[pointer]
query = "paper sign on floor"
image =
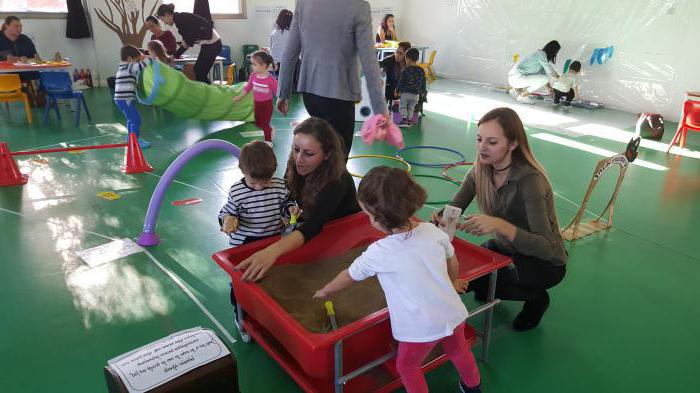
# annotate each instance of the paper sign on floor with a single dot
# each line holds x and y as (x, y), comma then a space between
(109, 252)
(152, 365)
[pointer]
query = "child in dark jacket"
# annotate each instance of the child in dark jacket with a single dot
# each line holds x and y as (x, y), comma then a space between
(411, 85)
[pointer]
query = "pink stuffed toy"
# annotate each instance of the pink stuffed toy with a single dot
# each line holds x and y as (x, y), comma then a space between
(376, 128)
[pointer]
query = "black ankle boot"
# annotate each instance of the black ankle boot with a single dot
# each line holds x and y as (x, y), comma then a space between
(531, 314)
(464, 389)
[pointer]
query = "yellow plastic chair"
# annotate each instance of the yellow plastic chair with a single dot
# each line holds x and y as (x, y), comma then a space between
(11, 91)
(231, 74)
(428, 67)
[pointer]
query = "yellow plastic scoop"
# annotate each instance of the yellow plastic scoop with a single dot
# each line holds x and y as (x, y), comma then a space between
(331, 314)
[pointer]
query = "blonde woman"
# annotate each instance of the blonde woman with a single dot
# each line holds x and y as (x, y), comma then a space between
(517, 209)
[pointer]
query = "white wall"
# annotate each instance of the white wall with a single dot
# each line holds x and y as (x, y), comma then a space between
(101, 52)
(49, 36)
(654, 63)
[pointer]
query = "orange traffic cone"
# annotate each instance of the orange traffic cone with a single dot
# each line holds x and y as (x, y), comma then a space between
(134, 161)
(9, 172)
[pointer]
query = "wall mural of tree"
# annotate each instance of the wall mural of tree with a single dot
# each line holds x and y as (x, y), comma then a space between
(125, 17)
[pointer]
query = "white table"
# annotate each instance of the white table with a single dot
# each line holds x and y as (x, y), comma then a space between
(385, 52)
(219, 62)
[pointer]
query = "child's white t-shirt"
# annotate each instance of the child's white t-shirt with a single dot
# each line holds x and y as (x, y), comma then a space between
(566, 82)
(412, 270)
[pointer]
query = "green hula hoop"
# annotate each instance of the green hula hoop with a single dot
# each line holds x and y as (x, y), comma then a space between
(458, 184)
(399, 159)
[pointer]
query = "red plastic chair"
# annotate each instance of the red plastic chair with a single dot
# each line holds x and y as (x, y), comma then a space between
(690, 120)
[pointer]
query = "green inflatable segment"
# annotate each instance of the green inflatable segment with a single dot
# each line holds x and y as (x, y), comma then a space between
(166, 87)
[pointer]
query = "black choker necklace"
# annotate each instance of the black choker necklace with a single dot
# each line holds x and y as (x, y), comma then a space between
(501, 170)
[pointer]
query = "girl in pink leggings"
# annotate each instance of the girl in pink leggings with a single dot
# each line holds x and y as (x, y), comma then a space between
(417, 268)
(264, 87)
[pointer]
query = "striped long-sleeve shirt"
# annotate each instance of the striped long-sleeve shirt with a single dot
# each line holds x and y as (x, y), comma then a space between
(259, 213)
(126, 78)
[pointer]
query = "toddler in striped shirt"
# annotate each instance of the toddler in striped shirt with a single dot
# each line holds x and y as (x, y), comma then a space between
(254, 207)
(133, 62)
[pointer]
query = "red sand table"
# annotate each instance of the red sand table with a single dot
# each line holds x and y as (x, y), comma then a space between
(319, 362)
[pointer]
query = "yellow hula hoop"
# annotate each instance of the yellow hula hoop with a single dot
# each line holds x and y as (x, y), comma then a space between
(401, 160)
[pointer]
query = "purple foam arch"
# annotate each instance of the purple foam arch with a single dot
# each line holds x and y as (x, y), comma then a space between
(149, 237)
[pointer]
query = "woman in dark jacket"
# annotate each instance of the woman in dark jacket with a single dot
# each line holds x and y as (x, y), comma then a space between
(392, 66)
(194, 30)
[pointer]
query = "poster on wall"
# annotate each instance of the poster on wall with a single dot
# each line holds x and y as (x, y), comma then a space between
(269, 11)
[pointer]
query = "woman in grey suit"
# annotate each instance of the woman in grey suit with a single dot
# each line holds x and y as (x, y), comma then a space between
(333, 37)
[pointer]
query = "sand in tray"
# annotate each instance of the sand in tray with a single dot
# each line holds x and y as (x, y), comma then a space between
(293, 286)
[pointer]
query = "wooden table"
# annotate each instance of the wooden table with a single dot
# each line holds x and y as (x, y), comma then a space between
(219, 62)
(17, 68)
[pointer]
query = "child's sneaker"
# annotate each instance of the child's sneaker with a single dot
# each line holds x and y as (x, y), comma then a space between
(464, 389)
(416, 118)
(404, 123)
(567, 103)
(144, 144)
(525, 100)
(513, 93)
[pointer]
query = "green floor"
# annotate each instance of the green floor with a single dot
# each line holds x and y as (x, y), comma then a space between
(625, 319)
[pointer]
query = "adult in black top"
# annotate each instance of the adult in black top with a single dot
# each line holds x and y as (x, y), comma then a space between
(387, 30)
(194, 30)
(392, 66)
(14, 45)
(319, 184)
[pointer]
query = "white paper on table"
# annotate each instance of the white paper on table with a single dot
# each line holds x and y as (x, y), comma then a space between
(109, 252)
(152, 365)
(450, 217)
(251, 134)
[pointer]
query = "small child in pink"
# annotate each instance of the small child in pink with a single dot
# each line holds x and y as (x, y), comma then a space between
(264, 87)
(418, 269)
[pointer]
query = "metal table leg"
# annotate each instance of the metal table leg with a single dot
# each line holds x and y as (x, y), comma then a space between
(489, 315)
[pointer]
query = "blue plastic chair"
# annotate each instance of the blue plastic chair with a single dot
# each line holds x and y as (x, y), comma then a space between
(58, 86)
(226, 54)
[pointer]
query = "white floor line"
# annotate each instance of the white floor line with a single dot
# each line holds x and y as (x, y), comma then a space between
(165, 270)
(556, 193)
(189, 293)
(69, 142)
(185, 184)
(578, 206)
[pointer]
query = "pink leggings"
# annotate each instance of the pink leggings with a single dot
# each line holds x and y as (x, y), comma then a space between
(411, 356)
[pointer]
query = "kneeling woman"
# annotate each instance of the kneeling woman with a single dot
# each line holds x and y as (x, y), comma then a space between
(320, 185)
(533, 73)
(517, 203)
